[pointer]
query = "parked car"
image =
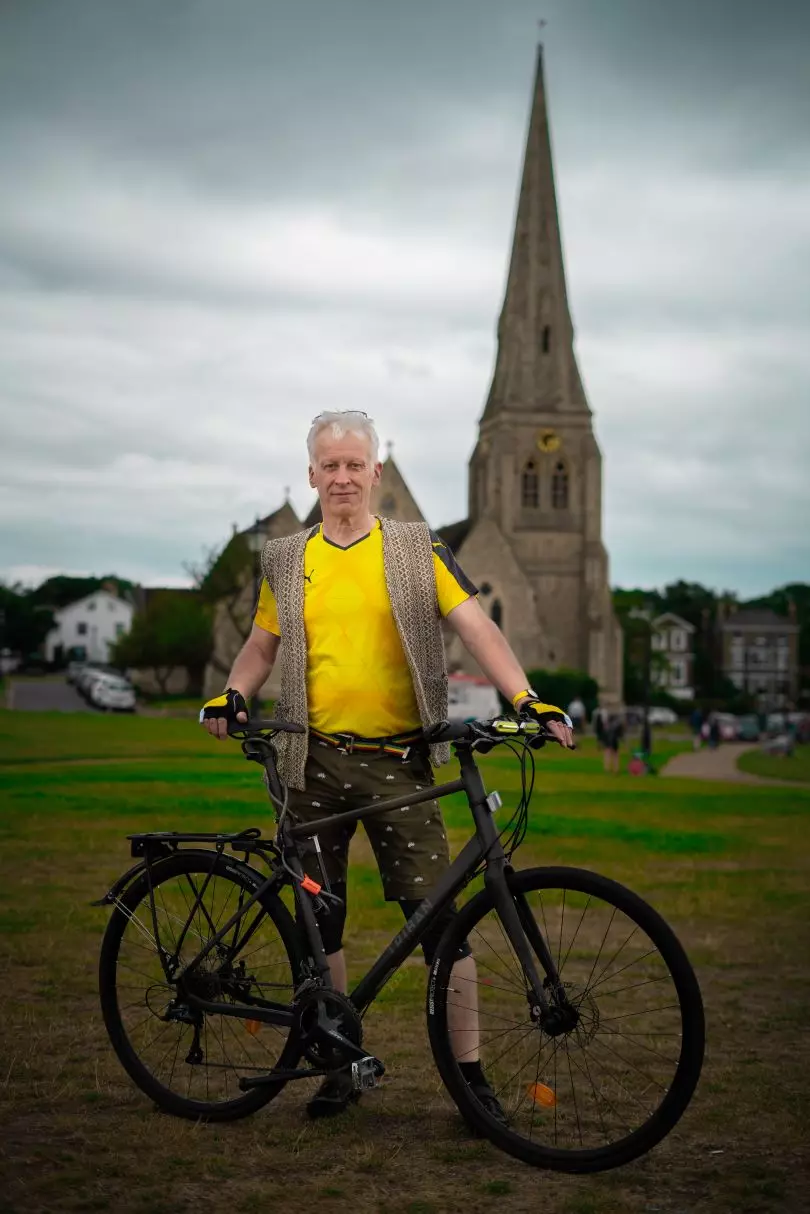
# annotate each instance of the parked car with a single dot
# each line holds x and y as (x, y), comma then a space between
(84, 677)
(728, 726)
(33, 663)
(111, 693)
(73, 671)
(748, 728)
(659, 715)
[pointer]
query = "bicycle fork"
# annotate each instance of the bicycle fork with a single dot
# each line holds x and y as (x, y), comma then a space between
(556, 1015)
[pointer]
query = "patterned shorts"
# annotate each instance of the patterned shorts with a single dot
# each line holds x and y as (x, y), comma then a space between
(410, 844)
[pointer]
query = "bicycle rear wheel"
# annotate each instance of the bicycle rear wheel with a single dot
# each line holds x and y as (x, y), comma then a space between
(190, 1062)
(613, 1084)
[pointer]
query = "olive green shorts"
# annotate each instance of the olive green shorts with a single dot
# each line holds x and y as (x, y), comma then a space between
(410, 844)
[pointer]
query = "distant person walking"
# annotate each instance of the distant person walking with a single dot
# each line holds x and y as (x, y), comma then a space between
(696, 725)
(613, 734)
(715, 737)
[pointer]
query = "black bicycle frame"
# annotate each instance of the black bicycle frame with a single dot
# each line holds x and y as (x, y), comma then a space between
(486, 846)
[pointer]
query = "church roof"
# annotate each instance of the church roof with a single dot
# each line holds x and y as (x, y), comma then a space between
(535, 364)
(277, 520)
(454, 534)
(315, 515)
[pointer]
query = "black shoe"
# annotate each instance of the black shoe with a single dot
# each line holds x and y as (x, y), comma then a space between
(334, 1096)
(489, 1101)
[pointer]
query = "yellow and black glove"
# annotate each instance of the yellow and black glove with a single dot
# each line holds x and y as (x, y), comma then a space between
(532, 706)
(224, 708)
(543, 713)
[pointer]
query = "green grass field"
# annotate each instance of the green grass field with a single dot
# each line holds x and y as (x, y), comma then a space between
(777, 767)
(726, 864)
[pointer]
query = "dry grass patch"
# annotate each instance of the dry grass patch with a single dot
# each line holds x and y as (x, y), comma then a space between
(727, 864)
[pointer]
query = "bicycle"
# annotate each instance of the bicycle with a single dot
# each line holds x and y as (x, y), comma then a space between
(592, 1027)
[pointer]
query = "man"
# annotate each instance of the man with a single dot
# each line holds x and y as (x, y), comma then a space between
(358, 602)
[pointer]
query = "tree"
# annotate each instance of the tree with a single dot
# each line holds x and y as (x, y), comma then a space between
(24, 623)
(60, 590)
(173, 630)
(224, 582)
(562, 686)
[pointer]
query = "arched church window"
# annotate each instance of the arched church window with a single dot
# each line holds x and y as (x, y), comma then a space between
(497, 613)
(530, 486)
(559, 487)
(389, 502)
(546, 338)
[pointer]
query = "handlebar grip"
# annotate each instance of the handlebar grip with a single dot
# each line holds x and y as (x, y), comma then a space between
(256, 726)
(448, 731)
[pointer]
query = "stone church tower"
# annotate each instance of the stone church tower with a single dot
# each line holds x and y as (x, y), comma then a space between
(532, 541)
(533, 538)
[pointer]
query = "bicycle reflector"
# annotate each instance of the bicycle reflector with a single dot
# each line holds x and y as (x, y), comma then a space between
(540, 1094)
(253, 1026)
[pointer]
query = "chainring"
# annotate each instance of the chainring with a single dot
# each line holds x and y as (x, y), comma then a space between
(339, 1015)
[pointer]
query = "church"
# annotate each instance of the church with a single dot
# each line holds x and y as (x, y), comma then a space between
(532, 538)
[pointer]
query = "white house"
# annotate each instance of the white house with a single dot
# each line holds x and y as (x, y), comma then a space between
(672, 639)
(87, 628)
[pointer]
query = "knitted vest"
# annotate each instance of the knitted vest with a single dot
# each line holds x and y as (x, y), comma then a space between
(411, 585)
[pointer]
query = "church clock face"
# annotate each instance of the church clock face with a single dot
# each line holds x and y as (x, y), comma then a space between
(548, 440)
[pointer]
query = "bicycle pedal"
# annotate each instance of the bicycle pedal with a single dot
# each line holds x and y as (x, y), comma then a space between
(365, 1073)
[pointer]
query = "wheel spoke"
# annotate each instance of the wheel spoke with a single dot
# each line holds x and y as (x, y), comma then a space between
(158, 1022)
(578, 1083)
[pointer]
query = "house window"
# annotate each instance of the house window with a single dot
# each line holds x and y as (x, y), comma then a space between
(546, 338)
(81, 629)
(677, 673)
(678, 639)
(119, 630)
(559, 487)
(497, 613)
(91, 606)
(530, 486)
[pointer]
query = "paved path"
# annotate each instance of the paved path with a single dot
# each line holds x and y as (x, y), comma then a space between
(44, 695)
(720, 764)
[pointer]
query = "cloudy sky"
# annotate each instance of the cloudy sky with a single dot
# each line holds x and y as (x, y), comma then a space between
(217, 219)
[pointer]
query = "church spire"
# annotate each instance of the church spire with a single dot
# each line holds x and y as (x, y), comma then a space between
(535, 367)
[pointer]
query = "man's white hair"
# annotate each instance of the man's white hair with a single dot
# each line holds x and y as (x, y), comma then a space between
(349, 421)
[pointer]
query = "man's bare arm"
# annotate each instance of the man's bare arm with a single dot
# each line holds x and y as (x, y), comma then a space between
(493, 653)
(249, 672)
(490, 648)
(254, 661)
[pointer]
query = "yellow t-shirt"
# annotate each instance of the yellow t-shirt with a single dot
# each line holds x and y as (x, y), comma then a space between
(358, 679)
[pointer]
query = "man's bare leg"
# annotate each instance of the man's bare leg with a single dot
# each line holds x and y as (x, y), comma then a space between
(465, 1038)
(337, 968)
(462, 1010)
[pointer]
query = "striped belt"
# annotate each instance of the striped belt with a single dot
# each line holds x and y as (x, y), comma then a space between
(399, 746)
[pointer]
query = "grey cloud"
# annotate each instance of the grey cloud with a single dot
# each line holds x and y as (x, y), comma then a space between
(168, 327)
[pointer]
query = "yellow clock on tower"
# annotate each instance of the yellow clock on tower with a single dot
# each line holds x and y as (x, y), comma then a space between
(548, 440)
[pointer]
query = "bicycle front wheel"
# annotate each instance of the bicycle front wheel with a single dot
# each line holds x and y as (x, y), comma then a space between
(615, 1081)
(190, 1062)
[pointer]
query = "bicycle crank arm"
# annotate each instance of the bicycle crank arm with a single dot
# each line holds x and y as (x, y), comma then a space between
(283, 1075)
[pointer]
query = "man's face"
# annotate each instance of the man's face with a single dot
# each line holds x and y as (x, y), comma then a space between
(343, 473)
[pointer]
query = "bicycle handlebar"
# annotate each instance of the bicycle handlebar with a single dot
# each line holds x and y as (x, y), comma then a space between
(498, 729)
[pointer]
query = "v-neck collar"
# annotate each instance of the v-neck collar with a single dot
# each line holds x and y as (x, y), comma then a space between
(341, 547)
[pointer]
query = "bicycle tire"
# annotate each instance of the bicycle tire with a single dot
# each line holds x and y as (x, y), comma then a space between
(579, 883)
(188, 864)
